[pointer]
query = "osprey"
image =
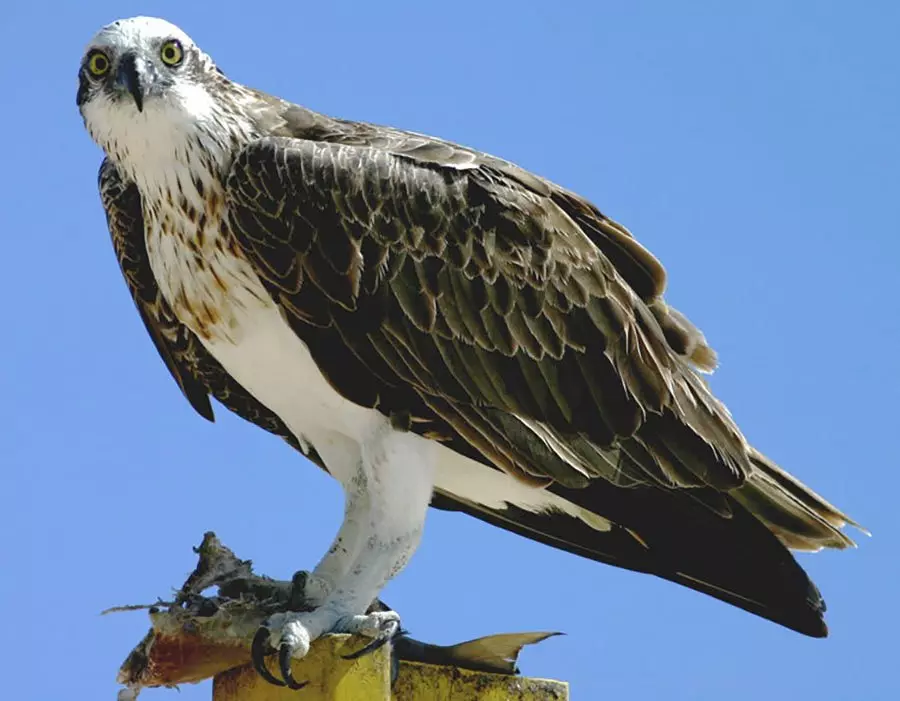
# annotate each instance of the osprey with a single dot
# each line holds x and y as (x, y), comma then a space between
(432, 326)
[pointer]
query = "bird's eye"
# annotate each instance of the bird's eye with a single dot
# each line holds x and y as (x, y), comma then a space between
(98, 63)
(171, 52)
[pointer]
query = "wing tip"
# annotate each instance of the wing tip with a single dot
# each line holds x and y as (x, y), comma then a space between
(202, 406)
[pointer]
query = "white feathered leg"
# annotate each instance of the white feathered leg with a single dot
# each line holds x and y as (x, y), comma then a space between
(387, 496)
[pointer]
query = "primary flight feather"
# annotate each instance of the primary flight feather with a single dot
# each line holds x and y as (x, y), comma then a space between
(431, 325)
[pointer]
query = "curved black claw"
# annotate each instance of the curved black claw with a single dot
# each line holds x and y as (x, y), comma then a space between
(391, 631)
(285, 655)
(258, 651)
(395, 658)
(297, 599)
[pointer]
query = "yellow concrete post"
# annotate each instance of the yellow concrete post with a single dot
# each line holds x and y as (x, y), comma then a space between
(332, 678)
(425, 682)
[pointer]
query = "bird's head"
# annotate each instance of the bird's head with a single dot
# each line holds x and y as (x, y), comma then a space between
(144, 83)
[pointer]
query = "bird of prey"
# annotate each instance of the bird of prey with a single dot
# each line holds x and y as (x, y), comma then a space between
(433, 326)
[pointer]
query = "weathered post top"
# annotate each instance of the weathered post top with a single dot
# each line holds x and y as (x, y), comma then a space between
(332, 678)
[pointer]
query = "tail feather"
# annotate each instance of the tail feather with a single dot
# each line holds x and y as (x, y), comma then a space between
(674, 536)
(800, 518)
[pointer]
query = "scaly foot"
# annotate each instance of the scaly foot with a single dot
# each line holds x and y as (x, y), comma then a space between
(291, 634)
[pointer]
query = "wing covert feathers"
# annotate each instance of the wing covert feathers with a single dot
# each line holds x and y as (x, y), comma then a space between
(510, 311)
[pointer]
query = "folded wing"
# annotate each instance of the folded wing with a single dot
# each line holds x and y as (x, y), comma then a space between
(493, 311)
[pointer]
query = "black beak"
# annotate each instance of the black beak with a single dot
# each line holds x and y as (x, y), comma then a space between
(128, 78)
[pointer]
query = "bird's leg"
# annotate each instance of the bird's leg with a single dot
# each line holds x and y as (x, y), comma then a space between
(387, 495)
(310, 589)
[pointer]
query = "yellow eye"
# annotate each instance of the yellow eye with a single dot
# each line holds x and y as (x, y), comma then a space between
(171, 52)
(98, 63)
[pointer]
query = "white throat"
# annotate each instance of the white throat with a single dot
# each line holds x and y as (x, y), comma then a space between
(175, 140)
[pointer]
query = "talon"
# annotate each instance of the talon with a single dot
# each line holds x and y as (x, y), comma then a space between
(298, 600)
(285, 653)
(258, 654)
(391, 630)
(395, 658)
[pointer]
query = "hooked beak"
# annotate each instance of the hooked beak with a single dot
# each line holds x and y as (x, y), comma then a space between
(129, 78)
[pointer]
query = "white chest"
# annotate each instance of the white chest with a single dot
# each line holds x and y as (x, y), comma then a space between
(197, 265)
(218, 295)
(169, 150)
(270, 360)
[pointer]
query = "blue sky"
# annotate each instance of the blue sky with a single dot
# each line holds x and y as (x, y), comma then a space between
(753, 146)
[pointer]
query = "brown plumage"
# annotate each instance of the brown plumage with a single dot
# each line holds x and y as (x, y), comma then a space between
(508, 318)
(506, 304)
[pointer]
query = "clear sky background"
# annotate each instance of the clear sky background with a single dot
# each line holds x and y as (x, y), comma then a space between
(752, 146)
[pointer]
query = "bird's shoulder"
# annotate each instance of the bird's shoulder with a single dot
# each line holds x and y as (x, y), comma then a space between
(284, 119)
(505, 186)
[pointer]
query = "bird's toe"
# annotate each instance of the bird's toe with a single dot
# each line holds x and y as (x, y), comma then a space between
(286, 633)
(381, 626)
(308, 591)
(259, 650)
